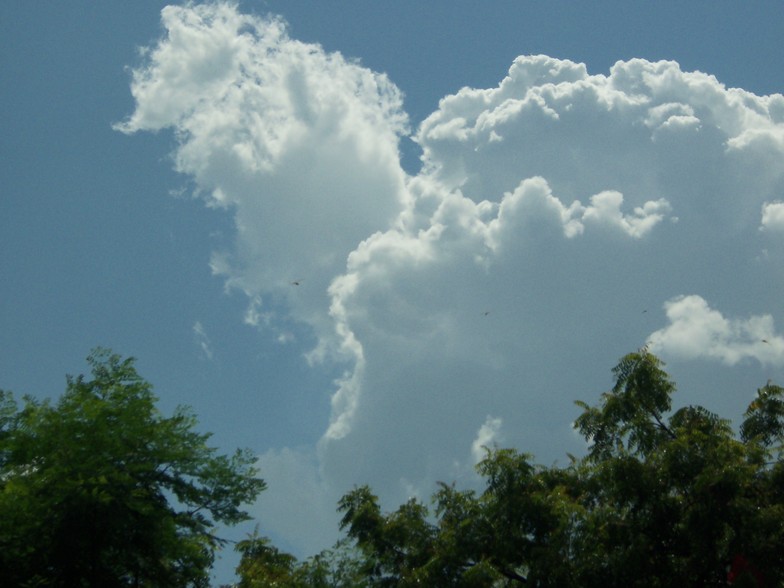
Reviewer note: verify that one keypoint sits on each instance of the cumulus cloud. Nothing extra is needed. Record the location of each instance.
(606, 209)
(552, 215)
(772, 216)
(283, 135)
(698, 331)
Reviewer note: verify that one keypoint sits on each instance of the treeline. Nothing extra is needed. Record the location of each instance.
(102, 490)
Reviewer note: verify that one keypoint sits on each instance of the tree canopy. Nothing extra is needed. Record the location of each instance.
(661, 498)
(101, 489)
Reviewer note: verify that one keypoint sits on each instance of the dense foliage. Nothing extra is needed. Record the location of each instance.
(661, 499)
(100, 489)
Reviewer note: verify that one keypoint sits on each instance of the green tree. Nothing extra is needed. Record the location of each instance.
(394, 546)
(100, 489)
(661, 499)
(263, 565)
(677, 500)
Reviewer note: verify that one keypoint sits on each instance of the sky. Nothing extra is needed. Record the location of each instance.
(367, 240)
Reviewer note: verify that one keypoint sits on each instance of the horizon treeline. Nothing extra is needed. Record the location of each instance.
(101, 489)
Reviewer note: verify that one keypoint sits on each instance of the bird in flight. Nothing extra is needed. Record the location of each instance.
(296, 282)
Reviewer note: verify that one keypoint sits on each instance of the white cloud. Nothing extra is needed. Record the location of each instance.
(533, 202)
(284, 135)
(254, 316)
(772, 216)
(486, 438)
(697, 331)
(202, 340)
(606, 209)
(505, 278)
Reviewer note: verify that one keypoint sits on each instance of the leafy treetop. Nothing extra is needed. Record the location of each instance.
(100, 489)
(661, 499)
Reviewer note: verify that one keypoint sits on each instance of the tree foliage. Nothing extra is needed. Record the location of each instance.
(100, 489)
(262, 565)
(661, 499)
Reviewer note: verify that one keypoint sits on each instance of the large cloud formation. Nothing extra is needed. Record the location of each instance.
(285, 136)
(559, 220)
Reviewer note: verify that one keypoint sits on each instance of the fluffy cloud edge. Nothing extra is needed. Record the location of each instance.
(697, 331)
(772, 216)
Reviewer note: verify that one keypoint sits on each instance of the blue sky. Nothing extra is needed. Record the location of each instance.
(586, 207)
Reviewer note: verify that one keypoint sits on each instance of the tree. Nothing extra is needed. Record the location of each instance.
(263, 565)
(681, 498)
(100, 489)
(394, 546)
(662, 499)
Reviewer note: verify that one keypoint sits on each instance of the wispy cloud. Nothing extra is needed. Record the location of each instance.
(202, 340)
(486, 438)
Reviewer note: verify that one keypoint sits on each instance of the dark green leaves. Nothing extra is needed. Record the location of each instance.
(661, 499)
(630, 417)
(765, 416)
(102, 490)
